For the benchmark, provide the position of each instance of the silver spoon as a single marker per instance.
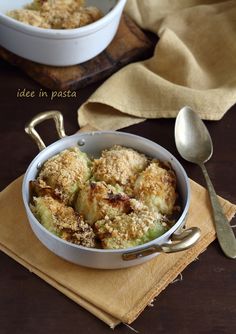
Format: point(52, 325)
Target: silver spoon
point(194, 144)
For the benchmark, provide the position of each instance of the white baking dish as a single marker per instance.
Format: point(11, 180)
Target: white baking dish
point(93, 143)
point(59, 47)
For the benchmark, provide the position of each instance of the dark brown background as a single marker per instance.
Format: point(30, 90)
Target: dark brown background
point(204, 302)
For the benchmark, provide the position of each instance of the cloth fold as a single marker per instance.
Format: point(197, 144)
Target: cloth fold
point(194, 64)
point(93, 289)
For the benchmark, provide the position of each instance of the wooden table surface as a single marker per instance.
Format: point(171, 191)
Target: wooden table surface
point(203, 302)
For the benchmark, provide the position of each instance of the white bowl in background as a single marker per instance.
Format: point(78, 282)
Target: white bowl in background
point(59, 47)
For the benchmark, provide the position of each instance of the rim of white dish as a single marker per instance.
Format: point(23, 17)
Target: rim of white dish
point(62, 33)
point(177, 224)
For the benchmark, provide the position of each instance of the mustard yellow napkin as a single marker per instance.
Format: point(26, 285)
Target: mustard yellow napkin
point(194, 64)
point(112, 295)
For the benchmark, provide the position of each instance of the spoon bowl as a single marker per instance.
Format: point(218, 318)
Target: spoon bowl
point(194, 144)
point(192, 138)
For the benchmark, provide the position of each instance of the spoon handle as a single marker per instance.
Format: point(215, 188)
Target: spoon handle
point(224, 231)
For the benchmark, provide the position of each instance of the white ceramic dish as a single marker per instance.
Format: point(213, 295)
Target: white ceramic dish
point(93, 143)
point(55, 46)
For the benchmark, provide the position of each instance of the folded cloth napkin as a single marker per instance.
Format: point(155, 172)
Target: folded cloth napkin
point(114, 296)
point(194, 64)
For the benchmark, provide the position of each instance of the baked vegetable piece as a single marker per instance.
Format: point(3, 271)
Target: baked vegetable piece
point(156, 188)
point(97, 200)
point(66, 173)
point(62, 221)
point(118, 165)
point(130, 230)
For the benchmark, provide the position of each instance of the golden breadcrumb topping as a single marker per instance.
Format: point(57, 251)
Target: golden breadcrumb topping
point(118, 165)
point(63, 221)
point(66, 172)
point(57, 14)
point(124, 198)
point(128, 230)
point(156, 187)
point(97, 199)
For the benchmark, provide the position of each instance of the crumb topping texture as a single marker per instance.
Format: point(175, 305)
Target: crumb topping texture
point(120, 200)
point(57, 14)
point(129, 230)
point(98, 199)
point(63, 221)
point(118, 165)
point(156, 187)
point(66, 172)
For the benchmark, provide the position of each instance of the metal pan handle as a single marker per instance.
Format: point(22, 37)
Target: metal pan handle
point(59, 122)
point(185, 240)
